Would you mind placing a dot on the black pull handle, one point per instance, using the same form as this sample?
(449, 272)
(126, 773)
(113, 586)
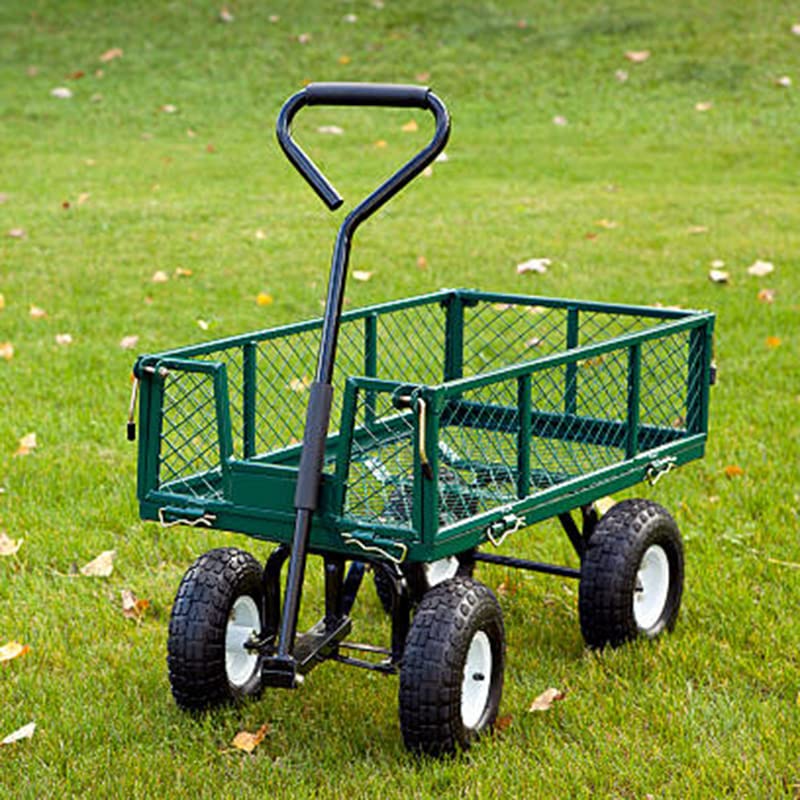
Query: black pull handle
(362, 94)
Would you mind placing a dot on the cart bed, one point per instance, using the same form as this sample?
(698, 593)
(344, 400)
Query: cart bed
(461, 415)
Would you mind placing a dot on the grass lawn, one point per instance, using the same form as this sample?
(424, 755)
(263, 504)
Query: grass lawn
(164, 159)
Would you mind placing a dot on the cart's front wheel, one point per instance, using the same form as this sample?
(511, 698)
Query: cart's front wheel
(216, 612)
(451, 679)
(632, 575)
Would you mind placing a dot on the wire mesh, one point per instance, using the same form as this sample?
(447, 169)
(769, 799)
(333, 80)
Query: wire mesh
(189, 444)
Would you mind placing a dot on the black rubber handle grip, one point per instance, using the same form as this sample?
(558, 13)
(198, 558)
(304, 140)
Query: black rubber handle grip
(367, 94)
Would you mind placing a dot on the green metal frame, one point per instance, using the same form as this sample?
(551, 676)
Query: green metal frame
(256, 489)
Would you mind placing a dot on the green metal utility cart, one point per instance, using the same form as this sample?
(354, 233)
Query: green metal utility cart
(432, 427)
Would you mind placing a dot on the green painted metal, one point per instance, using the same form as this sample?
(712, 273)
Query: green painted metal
(525, 436)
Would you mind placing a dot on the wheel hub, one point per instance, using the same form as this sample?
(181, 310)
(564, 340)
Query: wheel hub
(243, 625)
(652, 587)
(476, 682)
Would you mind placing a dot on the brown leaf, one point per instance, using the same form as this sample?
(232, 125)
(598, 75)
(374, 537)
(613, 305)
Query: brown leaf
(546, 699)
(422, 262)
(410, 126)
(27, 444)
(608, 224)
(17, 233)
(637, 56)
(160, 276)
(603, 505)
(621, 75)
(304, 38)
(244, 740)
(2, 301)
(766, 296)
(503, 723)
(773, 341)
(82, 198)
(129, 342)
(100, 567)
(77, 75)
(534, 341)
(13, 650)
(25, 732)
(299, 384)
(733, 471)
(182, 272)
(110, 55)
(361, 275)
(37, 313)
(344, 60)
(784, 81)
(133, 607)
(332, 130)
(719, 276)
(703, 105)
(695, 230)
(225, 15)
(538, 265)
(760, 268)
(381, 144)
(63, 339)
(6, 350)
(422, 77)
(8, 546)
(560, 120)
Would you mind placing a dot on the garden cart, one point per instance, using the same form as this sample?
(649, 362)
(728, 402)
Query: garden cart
(433, 427)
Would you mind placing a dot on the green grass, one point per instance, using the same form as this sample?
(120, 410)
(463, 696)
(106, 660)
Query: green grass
(712, 710)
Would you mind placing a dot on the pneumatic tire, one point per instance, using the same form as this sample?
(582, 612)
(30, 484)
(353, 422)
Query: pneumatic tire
(451, 678)
(631, 576)
(217, 609)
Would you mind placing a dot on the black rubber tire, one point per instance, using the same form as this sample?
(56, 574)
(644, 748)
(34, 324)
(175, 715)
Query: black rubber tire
(197, 627)
(432, 670)
(609, 570)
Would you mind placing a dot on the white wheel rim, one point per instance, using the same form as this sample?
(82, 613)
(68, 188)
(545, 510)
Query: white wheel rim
(243, 622)
(442, 570)
(652, 587)
(477, 680)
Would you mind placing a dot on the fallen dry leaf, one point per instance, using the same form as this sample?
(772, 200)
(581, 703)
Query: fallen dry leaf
(533, 342)
(381, 144)
(2, 301)
(25, 732)
(422, 77)
(560, 121)
(304, 38)
(299, 384)
(603, 505)
(442, 158)
(733, 471)
(8, 546)
(361, 275)
(37, 313)
(100, 567)
(546, 699)
(182, 272)
(273, 18)
(344, 60)
(61, 92)
(331, 130)
(784, 81)
(6, 350)
(503, 723)
(132, 606)
(244, 740)
(225, 15)
(538, 265)
(17, 233)
(63, 339)
(718, 263)
(27, 444)
(410, 126)
(160, 276)
(608, 224)
(760, 268)
(110, 55)
(350, 18)
(703, 105)
(719, 276)
(637, 56)
(766, 296)
(422, 262)
(129, 342)
(796, 32)
(82, 198)
(203, 324)
(773, 341)
(168, 108)
(77, 75)
(696, 230)
(260, 234)
(13, 650)
(621, 75)
(264, 299)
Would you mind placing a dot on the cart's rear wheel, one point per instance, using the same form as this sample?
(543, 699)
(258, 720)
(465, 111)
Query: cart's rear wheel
(451, 679)
(420, 578)
(632, 575)
(217, 610)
